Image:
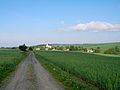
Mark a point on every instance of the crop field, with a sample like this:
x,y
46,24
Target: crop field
x,y
101,72
102,46
9,59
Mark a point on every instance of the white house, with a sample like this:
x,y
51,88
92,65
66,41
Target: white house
x,y
48,46
67,49
90,51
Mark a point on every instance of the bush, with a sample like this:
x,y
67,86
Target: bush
x,y
97,50
30,48
23,47
114,50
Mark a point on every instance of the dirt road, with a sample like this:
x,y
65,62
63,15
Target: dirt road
x,y
30,75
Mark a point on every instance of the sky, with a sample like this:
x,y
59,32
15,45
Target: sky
x,y
36,22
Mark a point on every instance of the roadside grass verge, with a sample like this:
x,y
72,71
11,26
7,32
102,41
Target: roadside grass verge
x,y
9,59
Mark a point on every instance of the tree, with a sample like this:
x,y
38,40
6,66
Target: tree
x,y
23,47
71,48
67,47
110,51
97,50
61,48
85,49
13,48
114,50
30,48
80,48
117,49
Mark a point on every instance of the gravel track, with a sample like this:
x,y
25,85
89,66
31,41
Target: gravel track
x,y
30,75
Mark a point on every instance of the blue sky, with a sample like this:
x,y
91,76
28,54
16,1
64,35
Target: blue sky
x,y
59,21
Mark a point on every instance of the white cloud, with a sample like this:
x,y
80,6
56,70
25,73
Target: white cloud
x,y
61,22
96,26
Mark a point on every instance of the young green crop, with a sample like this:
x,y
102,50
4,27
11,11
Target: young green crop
x,y
8,61
101,71
69,82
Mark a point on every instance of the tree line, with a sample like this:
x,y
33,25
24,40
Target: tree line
x,y
113,50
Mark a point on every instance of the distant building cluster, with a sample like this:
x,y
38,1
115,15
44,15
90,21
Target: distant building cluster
x,y
47,47
67,48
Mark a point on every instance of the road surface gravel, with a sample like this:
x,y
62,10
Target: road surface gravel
x,y
30,75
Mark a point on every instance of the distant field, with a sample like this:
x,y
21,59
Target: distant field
x,y
102,46
8,61
100,71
